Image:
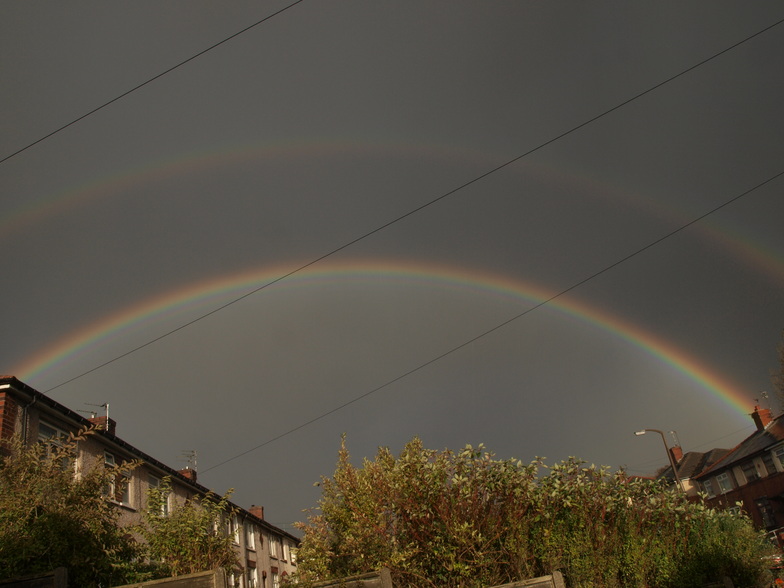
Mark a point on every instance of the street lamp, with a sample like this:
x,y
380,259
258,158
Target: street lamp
x,y
669,455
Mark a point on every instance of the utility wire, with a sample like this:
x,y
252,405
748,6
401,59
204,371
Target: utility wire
x,y
152,79
520,315
415,210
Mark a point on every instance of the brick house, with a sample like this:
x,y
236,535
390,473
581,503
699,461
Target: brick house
x,y
689,465
266,552
752,475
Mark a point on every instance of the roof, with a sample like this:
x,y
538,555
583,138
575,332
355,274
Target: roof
x,y
695,462
754,444
38,397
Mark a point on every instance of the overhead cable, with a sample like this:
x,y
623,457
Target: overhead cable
x,y
418,208
152,79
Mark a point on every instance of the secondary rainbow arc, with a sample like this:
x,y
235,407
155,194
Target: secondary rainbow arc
x,y
756,255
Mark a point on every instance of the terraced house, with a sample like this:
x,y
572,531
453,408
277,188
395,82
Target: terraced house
x,y
266,552
751,475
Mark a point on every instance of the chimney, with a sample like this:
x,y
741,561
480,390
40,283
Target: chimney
x,y
761,417
676,452
257,511
103,423
189,473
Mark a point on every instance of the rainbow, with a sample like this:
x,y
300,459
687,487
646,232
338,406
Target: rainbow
x,y
764,260
218,290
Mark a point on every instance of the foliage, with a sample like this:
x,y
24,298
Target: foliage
x,y
191,537
49,517
438,518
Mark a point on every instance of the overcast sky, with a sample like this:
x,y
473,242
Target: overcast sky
x,y
307,140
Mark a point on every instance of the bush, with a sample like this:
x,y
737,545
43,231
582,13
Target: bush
x,y
438,518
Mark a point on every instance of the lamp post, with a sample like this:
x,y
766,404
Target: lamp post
x,y
669,455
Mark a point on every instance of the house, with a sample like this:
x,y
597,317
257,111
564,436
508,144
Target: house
x,y
752,475
266,552
689,465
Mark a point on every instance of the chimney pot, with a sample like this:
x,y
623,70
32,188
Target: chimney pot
x,y
257,511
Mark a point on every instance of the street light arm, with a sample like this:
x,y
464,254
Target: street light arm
x,y
669,455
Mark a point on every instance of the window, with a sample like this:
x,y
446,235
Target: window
x,y
275,580
233,528
124,483
723,480
285,551
766,512
155,482
54,440
273,547
749,471
778,455
250,537
110,490
707,485
252,578
768,465
118,488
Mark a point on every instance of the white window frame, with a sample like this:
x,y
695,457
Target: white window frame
x,y
154,481
110,490
707,485
54,441
253,578
273,546
778,457
125,488
250,537
233,524
722,480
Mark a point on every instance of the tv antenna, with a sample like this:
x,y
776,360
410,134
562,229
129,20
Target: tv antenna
x,y
94,413
190,456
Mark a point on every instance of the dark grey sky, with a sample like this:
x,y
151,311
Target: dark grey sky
x,y
333,119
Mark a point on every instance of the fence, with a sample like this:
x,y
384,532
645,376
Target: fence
x,y
211,579
383,579
56,579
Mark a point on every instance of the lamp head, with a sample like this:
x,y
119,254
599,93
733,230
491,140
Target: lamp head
x,y
639,432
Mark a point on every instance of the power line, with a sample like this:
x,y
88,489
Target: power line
x,y
152,79
415,210
504,323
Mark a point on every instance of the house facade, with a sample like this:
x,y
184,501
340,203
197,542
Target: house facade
x,y
266,553
689,465
751,476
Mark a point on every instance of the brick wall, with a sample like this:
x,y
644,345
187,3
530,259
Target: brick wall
x,y
771,487
9,411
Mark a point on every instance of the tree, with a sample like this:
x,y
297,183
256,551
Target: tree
x,y
191,537
50,518
438,518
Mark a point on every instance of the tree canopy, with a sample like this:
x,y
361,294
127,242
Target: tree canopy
x,y
464,519
190,537
51,518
